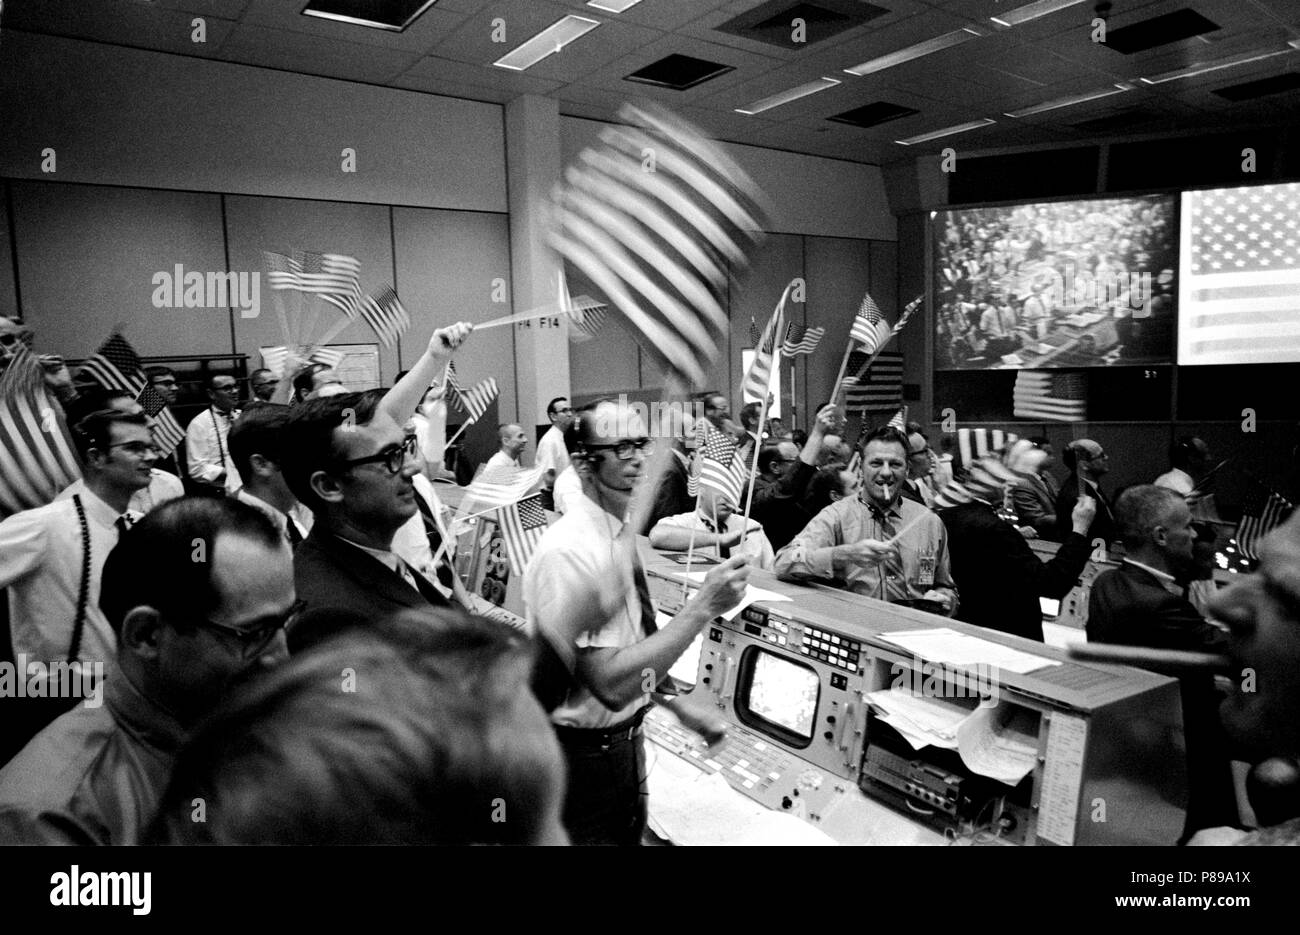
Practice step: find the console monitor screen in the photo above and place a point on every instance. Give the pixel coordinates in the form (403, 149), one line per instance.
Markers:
(1239, 285)
(784, 693)
(1060, 284)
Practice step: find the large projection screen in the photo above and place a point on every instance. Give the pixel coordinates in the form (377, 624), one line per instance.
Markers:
(1065, 284)
(1239, 284)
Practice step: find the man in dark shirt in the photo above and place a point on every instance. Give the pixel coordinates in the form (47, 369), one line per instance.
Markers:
(1141, 603)
(783, 481)
(1088, 463)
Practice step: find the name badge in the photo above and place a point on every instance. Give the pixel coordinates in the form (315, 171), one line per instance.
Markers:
(925, 574)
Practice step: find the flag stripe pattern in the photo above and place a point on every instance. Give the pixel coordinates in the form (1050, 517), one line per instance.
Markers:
(659, 244)
(331, 276)
(1260, 515)
(117, 366)
(167, 432)
(587, 316)
(1052, 397)
(899, 421)
(478, 397)
(869, 326)
(880, 388)
(499, 487)
(522, 525)
(758, 379)
(37, 459)
(976, 443)
(716, 465)
(801, 340)
(383, 311)
(1240, 297)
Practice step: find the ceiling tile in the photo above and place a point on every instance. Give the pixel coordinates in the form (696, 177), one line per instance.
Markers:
(135, 25)
(313, 55)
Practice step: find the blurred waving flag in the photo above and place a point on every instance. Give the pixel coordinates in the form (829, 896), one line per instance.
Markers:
(37, 458)
(989, 476)
(801, 340)
(522, 525)
(383, 311)
(501, 486)
(758, 379)
(1052, 397)
(1260, 515)
(331, 276)
(478, 397)
(585, 314)
(659, 244)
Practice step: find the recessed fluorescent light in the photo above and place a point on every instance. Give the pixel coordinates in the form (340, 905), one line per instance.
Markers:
(392, 15)
(1032, 11)
(946, 131)
(612, 6)
(547, 42)
(1070, 101)
(785, 97)
(937, 44)
(1232, 62)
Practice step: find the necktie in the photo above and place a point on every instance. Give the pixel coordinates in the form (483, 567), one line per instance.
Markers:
(889, 568)
(443, 572)
(122, 524)
(427, 591)
(291, 531)
(724, 551)
(648, 624)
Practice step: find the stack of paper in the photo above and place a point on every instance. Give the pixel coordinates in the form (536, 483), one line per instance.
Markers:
(946, 645)
(922, 721)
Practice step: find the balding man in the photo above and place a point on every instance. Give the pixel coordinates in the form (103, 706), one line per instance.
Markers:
(513, 442)
(1141, 603)
(1088, 463)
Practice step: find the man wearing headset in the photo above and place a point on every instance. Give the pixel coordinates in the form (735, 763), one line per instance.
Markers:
(589, 557)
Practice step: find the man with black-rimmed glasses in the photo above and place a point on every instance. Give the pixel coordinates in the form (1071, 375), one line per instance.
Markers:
(198, 594)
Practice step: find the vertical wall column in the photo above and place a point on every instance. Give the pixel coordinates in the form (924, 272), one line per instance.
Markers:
(541, 347)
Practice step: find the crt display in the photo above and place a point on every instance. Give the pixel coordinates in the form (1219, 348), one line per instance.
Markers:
(784, 693)
(1239, 285)
(1055, 284)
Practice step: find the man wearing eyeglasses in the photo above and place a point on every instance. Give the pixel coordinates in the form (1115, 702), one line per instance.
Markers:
(588, 559)
(51, 557)
(186, 632)
(207, 452)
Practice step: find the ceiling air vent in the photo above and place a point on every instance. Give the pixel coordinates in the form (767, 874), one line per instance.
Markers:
(1263, 87)
(871, 115)
(774, 23)
(678, 72)
(1159, 30)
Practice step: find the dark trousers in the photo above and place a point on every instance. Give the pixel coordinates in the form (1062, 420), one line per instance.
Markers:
(606, 802)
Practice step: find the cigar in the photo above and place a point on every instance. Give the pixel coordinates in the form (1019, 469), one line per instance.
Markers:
(1145, 657)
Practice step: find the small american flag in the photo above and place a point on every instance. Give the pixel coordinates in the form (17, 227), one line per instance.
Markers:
(758, 378)
(716, 465)
(167, 432)
(116, 366)
(522, 525)
(754, 334)
(500, 486)
(899, 421)
(37, 459)
(587, 316)
(1260, 515)
(801, 340)
(384, 312)
(869, 327)
(330, 357)
(879, 388)
(478, 397)
(1240, 300)
(332, 276)
(456, 395)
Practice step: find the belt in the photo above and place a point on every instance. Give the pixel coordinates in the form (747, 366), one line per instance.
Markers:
(602, 736)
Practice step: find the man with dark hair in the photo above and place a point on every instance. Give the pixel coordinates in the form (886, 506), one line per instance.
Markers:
(1088, 463)
(750, 435)
(589, 557)
(163, 380)
(207, 453)
(1141, 603)
(552, 456)
(467, 756)
(876, 544)
(785, 474)
(51, 557)
(347, 460)
(315, 381)
(257, 449)
(162, 485)
(1034, 498)
(262, 383)
(186, 629)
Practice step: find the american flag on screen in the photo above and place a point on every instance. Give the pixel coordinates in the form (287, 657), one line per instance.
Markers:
(1240, 294)
(880, 389)
(522, 525)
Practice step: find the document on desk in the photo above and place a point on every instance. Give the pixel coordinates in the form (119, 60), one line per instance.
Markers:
(752, 595)
(923, 721)
(701, 810)
(996, 746)
(943, 644)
